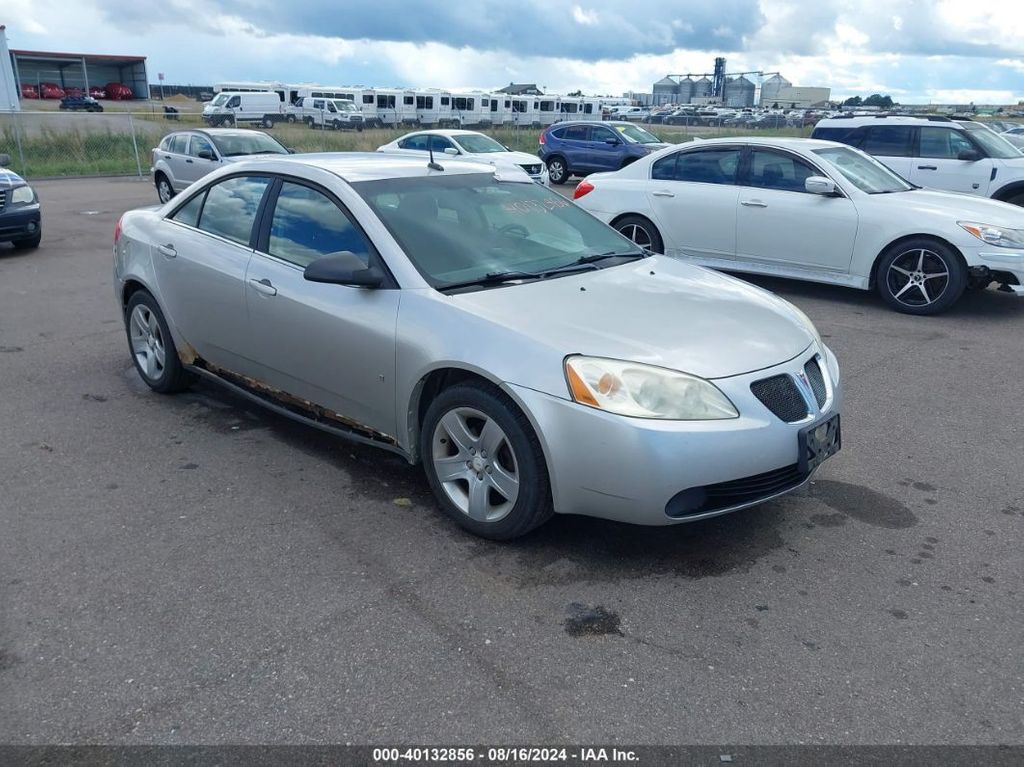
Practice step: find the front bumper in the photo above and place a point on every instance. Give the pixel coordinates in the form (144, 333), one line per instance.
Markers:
(19, 222)
(629, 469)
(1006, 264)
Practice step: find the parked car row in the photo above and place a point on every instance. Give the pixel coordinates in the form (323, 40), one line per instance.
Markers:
(113, 91)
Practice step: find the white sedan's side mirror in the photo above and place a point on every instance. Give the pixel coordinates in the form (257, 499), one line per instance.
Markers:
(819, 185)
(451, 150)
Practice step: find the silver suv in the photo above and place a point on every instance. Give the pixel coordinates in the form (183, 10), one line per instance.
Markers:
(184, 157)
(936, 152)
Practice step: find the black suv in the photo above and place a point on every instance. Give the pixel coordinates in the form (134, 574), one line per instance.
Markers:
(81, 103)
(20, 223)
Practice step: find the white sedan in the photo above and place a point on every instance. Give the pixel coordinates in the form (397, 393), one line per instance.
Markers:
(812, 210)
(468, 145)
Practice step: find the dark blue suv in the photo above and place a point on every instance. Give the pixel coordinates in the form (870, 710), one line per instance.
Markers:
(579, 148)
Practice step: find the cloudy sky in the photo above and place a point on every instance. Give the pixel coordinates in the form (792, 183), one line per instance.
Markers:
(915, 50)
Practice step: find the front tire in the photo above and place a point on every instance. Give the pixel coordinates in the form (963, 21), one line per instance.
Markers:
(484, 462)
(164, 190)
(640, 231)
(921, 276)
(30, 244)
(152, 347)
(558, 170)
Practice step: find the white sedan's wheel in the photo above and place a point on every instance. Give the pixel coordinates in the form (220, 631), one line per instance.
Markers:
(921, 276)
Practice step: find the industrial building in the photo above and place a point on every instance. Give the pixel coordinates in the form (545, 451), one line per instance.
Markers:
(737, 90)
(26, 71)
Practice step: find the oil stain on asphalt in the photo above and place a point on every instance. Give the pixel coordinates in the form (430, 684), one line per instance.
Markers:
(586, 621)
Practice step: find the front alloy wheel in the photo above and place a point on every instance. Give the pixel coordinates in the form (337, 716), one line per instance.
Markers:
(921, 277)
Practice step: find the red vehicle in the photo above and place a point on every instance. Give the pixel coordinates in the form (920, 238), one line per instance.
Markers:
(96, 92)
(118, 92)
(74, 92)
(51, 91)
(29, 92)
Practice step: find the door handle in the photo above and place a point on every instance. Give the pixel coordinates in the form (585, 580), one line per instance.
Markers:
(663, 193)
(189, 160)
(264, 286)
(754, 203)
(167, 250)
(927, 167)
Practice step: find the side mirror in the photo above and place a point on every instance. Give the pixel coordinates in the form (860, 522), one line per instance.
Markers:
(612, 141)
(970, 155)
(820, 185)
(5, 160)
(344, 268)
(206, 154)
(451, 150)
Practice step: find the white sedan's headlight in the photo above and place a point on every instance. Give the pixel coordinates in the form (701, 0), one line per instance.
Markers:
(644, 391)
(1000, 236)
(23, 194)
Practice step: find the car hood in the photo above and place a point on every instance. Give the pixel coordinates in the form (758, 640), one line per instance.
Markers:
(657, 311)
(10, 179)
(958, 207)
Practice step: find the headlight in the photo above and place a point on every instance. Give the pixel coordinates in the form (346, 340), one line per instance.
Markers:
(23, 194)
(644, 391)
(999, 236)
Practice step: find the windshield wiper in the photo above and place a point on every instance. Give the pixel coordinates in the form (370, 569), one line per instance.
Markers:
(492, 278)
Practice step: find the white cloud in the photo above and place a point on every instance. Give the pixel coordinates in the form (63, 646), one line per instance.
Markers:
(587, 18)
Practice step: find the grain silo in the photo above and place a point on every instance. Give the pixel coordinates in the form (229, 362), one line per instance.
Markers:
(702, 88)
(738, 92)
(686, 87)
(666, 91)
(770, 89)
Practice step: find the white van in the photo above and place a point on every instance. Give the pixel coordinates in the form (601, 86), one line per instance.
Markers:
(241, 107)
(338, 114)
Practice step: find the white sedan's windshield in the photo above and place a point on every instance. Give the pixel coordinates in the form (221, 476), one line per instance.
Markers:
(466, 227)
(478, 144)
(863, 171)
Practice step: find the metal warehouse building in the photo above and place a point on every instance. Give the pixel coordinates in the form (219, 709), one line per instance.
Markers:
(72, 70)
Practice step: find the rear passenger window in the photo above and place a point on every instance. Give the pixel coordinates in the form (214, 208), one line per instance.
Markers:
(708, 166)
(575, 133)
(842, 135)
(231, 207)
(189, 212)
(308, 225)
(888, 140)
(179, 144)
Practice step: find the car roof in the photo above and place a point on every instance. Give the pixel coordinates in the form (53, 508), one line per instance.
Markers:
(443, 132)
(362, 166)
(858, 120)
(563, 123)
(797, 144)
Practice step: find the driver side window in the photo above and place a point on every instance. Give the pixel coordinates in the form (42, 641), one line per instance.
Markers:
(308, 225)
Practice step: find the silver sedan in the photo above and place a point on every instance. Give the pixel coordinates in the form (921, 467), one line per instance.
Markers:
(534, 360)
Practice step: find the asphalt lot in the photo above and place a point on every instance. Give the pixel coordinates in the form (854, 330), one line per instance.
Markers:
(192, 569)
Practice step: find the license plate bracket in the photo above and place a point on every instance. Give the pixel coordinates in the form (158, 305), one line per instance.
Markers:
(818, 443)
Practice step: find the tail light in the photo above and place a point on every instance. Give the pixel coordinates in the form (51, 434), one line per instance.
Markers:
(117, 231)
(582, 188)
(541, 139)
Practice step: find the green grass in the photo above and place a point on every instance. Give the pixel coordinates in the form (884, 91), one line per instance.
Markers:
(66, 150)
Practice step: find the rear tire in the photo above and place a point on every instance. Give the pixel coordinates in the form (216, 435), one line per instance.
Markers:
(558, 170)
(920, 276)
(641, 231)
(152, 347)
(501, 495)
(291, 119)
(164, 190)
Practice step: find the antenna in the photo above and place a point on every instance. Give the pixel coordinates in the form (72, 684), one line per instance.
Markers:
(430, 147)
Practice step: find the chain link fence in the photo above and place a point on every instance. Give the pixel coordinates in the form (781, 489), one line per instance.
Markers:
(44, 144)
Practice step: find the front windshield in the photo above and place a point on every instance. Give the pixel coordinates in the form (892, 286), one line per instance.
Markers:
(464, 227)
(220, 100)
(637, 134)
(238, 144)
(478, 144)
(345, 106)
(863, 171)
(993, 144)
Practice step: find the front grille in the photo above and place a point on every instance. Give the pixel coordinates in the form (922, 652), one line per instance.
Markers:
(700, 500)
(780, 395)
(817, 381)
(3, 198)
(533, 170)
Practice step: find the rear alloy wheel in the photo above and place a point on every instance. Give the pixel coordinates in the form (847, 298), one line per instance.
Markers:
(558, 171)
(641, 231)
(164, 189)
(921, 277)
(484, 462)
(151, 345)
